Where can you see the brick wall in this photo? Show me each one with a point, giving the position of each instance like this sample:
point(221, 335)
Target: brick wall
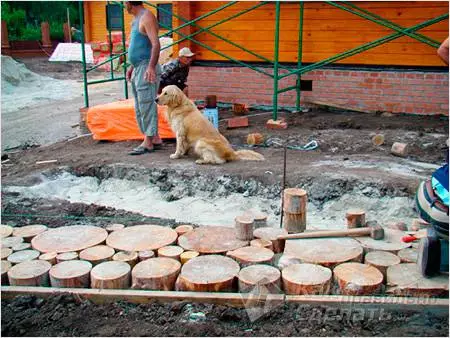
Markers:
point(385, 90)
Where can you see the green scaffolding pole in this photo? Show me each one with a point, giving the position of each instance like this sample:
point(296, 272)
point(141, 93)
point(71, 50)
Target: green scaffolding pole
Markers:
point(275, 66)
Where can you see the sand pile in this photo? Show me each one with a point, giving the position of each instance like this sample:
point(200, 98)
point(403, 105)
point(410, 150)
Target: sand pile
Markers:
point(22, 88)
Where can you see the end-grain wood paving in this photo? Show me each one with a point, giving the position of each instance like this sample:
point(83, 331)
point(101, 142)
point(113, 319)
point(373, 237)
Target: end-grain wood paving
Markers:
point(30, 273)
point(260, 275)
point(358, 279)
point(29, 231)
point(71, 274)
point(97, 254)
point(306, 279)
point(111, 275)
point(159, 273)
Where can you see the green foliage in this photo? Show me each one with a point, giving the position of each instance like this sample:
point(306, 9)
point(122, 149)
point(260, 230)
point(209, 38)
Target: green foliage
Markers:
point(24, 18)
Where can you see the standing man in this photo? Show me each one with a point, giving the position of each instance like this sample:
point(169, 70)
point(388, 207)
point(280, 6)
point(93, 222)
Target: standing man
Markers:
point(144, 73)
point(176, 72)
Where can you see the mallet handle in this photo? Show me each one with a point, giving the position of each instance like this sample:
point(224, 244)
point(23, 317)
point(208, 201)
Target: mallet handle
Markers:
point(329, 233)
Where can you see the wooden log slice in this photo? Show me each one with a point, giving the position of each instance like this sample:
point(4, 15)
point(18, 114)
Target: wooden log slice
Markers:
point(9, 242)
point(66, 256)
point(408, 255)
point(259, 276)
point(243, 227)
point(114, 227)
point(294, 223)
point(406, 280)
point(30, 273)
point(356, 218)
point(5, 252)
point(23, 256)
point(306, 279)
point(209, 273)
point(141, 238)
point(159, 273)
point(49, 257)
point(71, 274)
point(182, 229)
point(130, 257)
point(97, 254)
point(69, 238)
point(295, 201)
point(250, 255)
point(5, 268)
point(111, 275)
point(259, 218)
point(29, 231)
point(187, 255)
point(391, 242)
point(381, 260)
point(262, 243)
point(143, 255)
point(271, 234)
point(358, 279)
point(170, 251)
point(5, 231)
point(210, 240)
point(328, 252)
point(21, 246)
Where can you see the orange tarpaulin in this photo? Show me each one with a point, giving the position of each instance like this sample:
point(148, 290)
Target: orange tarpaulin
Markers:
point(116, 121)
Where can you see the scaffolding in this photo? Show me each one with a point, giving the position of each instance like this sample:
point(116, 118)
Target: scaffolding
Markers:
point(300, 70)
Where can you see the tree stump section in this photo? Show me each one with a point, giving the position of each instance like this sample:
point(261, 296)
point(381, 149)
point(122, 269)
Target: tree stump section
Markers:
point(259, 218)
point(5, 252)
point(29, 231)
point(392, 242)
point(114, 227)
point(209, 273)
point(243, 228)
point(143, 255)
point(30, 273)
point(66, 256)
point(9, 242)
point(5, 231)
point(187, 255)
point(406, 280)
point(171, 251)
point(306, 279)
point(328, 252)
point(358, 279)
point(271, 234)
point(141, 238)
point(97, 254)
point(259, 276)
point(262, 243)
point(381, 260)
point(294, 209)
point(111, 275)
point(182, 229)
point(5, 268)
point(21, 246)
point(49, 257)
point(355, 218)
point(250, 255)
point(69, 238)
point(71, 274)
point(130, 257)
point(210, 240)
point(158, 273)
point(408, 255)
point(23, 256)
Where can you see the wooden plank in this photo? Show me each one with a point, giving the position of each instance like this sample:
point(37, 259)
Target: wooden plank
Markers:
point(97, 296)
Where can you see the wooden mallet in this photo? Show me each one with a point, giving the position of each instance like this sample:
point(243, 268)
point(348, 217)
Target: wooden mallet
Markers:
point(375, 232)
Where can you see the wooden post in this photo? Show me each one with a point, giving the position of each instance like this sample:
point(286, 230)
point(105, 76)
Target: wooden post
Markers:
point(244, 228)
point(67, 32)
point(6, 48)
point(45, 30)
point(294, 210)
point(185, 10)
point(355, 218)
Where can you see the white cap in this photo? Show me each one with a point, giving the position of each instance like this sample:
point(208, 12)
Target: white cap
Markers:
point(185, 52)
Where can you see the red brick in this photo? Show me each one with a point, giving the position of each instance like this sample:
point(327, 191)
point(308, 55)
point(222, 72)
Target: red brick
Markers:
point(238, 122)
point(278, 124)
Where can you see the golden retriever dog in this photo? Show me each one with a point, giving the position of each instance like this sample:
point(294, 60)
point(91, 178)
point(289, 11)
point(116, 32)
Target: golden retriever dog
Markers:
point(194, 130)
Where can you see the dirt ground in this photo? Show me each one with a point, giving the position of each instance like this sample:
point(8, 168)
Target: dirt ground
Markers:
point(345, 147)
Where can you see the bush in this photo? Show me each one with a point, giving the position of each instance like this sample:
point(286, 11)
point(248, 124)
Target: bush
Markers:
point(56, 31)
point(15, 21)
point(30, 33)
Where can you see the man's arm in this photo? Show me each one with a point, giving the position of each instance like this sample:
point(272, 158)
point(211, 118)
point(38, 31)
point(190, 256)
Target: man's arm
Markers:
point(169, 69)
point(151, 29)
point(443, 51)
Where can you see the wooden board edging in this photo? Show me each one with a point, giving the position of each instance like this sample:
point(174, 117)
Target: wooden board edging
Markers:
point(99, 296)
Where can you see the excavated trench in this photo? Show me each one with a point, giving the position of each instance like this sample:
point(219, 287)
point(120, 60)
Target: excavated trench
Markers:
point(175, 197)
